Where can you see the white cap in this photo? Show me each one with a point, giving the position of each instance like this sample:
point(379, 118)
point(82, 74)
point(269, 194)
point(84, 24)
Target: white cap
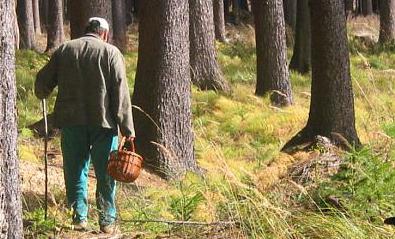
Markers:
point(103, 22)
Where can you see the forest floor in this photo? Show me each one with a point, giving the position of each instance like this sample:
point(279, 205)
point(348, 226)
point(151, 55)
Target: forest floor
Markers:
point(258, 191)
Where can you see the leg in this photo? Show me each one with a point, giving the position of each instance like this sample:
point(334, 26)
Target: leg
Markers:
point(75, 150)
point(104, 141)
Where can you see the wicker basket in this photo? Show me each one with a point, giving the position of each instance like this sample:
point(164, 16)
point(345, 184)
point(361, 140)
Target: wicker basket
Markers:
point(125, 164)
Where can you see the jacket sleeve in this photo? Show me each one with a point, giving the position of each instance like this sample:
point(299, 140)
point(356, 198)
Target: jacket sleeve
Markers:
point(46, 79)
point(121, 105)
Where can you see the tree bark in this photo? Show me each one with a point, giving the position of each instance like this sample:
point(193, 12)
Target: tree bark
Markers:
point(119, 24)
point(205, 71)
point(163, 88)
point(219, 20)
point(44, 13)
point(55, 32)
point(15, 24)
point(272, 69)
point(236, 11)
point(387, 21)
point(301, 58)
point(290, 13)
point(10, 193)
point(81, 11)
point(332, 103)
point(26, 24)
point(36, 16)
point(349, 8)
point(367, 7)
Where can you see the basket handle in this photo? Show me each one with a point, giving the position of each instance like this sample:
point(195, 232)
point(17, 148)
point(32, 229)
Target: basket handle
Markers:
point(123, 141)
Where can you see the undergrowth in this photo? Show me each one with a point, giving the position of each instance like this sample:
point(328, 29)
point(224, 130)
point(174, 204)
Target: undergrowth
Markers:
point(237, 136)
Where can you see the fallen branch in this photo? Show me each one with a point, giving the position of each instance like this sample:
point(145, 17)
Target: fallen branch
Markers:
point(189, 223)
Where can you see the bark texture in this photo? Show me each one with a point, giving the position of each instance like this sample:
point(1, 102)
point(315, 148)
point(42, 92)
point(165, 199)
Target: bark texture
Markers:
point(272, 69)
point(81, 11)
point(301, 58)
point(119, 24)
point(55, 32)
point(219, 20)
point(205, 71)
point(10, 193)
point(332, 103)
point(163, 88)
point(26, 24)
point(387, 21)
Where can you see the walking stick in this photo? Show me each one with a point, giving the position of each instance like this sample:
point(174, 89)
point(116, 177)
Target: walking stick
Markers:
point(44, 106)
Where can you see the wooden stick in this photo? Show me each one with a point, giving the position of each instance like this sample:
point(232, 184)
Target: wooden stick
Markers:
point(190, 223)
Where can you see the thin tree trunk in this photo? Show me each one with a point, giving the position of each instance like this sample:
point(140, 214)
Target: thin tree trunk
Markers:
point(367, 7)
point(236, 11)
point(44, 13)
point(219, 20)
point(26, 24)
point(10, 193)
point(15, 24)
point(272, 69)
point(205, 71)
point(332, 104)
point(36, 15)
point(290, 13)
point(301, 58)
point(119, 24)
point(163, 88)
point(55, 34)
point(387, 21)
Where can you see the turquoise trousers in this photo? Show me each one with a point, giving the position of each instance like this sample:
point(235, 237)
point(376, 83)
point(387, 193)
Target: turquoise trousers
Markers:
point(80, 145)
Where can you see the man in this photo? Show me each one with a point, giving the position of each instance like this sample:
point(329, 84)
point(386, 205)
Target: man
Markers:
point(93, 101)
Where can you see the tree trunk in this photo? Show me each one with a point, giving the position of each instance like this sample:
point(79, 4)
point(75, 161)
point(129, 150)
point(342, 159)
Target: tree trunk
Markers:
point(205, 71)
point(367, 7)
point(36, 17)
point(163, 88)
point(349, 8)
point(290, 13)
point(387, 21)
point(119, 24)
point(332, 103)
point(272, 69)
point(301, 58)
point(227, 10)
point(219, 20)
point(10, 192)
point(81, 11)
point(236, 11)
point(15, 25)
point(44, 13)
point(55, 33)
point(26, 24)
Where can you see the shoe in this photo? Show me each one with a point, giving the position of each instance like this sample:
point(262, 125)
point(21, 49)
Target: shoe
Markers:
point(80, 226)
point(109, 229)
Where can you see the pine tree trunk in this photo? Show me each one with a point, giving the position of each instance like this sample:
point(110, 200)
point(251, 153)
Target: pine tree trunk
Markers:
point(349, 8)
point(81, 11)
point(205, 71)
point(290, 13)
point(119, 24)
point(219, 20)
point(10, 192)
point(15, 25)
point(44, 13)
point(36, 16)
point(163, 88)
point(236, 11)
point(367, 7)
point(301, 58)
point(55, 35)
point(26, 24)
point(387, 21)
point(272, 69)
point(332, 103)
point(227, 10)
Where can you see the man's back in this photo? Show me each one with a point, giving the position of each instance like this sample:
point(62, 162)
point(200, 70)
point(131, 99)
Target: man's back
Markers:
point(88, 73)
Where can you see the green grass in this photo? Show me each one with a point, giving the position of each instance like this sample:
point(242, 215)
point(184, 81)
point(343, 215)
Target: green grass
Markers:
point(236, 137)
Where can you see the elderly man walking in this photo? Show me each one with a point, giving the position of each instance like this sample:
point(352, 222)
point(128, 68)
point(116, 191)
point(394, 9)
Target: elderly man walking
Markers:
point(92, 103)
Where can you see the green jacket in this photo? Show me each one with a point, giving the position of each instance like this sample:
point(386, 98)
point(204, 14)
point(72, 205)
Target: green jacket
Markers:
point(92, 85)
